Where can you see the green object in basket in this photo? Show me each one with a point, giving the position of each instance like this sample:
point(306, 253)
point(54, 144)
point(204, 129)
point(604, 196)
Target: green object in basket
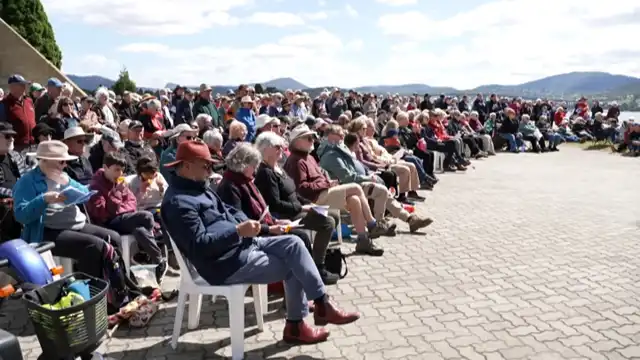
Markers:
point(69, 300)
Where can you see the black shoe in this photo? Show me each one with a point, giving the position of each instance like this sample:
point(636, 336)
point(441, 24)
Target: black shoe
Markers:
point(328, 278)
point(403, 199)
point(413, 195)
point(161, 270)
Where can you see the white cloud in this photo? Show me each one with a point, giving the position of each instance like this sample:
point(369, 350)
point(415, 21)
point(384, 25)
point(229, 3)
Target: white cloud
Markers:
point(277, 19)
point(398, 2)
point(148, 17)
point(144, 48)
point(322, 2)
point(350, 10)
point(92, 64)
point(355, 45)
point(320, 15)
point(456, 51)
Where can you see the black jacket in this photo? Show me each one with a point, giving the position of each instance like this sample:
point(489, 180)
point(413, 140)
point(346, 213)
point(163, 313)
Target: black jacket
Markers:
point(80, 169)
point(279, 191)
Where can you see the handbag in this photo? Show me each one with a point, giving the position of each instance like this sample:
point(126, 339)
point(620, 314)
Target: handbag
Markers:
point(335, 262)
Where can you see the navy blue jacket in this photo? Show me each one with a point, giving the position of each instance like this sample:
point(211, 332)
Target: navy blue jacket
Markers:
point(204, 229)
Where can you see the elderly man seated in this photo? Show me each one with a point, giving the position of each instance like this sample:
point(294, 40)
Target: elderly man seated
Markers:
point(341, 161)
point(313, 184)
point(223, 246)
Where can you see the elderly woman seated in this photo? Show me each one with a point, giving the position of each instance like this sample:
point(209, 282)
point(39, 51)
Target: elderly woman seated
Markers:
point(341, 161)
point(531, 133)
point(279, 191)
point(41, 206)
point(437, 139)
point(237, 134)
point(547, 131)
point(213, 139)
point(408, 179)
point(473, 126)
point(225, 248)
point(409, 136)
point(313, 184)
point(205, 123)
point(509, 131)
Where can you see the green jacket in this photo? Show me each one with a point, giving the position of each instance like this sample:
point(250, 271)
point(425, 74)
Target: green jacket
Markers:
point(339, 163)
point(527, 129)
point(203, 106)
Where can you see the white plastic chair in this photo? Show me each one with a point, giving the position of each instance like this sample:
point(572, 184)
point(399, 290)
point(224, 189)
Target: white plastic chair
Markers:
point(127, 242)
point(195, 286)
point(438, 161)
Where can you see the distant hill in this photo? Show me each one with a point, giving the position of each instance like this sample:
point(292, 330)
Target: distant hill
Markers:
point(90, 82)
point(563, 85)
point(575, 83)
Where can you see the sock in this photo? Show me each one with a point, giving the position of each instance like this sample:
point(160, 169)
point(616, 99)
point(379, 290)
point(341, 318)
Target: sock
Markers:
point(371, 224)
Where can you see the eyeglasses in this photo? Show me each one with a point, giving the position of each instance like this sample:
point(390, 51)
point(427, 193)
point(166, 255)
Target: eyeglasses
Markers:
point(81, 142)
point(8, 137)
point(189, 138)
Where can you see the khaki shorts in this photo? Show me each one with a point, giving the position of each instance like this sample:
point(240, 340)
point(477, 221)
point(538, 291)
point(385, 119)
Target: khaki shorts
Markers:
point(336, 197)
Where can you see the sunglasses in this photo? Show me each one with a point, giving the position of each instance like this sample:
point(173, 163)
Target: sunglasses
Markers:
point(81, 142)
point(8, 137)
point(189, 138)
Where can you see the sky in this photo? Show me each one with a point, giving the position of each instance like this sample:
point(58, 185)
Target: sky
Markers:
point(462, 43)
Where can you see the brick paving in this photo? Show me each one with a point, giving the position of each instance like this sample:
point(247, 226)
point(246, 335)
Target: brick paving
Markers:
point(530, 257)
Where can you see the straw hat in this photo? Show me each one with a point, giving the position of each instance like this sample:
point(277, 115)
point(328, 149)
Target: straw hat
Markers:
point(54, 150)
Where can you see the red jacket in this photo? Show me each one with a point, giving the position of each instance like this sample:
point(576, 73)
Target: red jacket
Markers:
point(21, 115)
point(110, 201)
point(558, 117)
point(307, 175)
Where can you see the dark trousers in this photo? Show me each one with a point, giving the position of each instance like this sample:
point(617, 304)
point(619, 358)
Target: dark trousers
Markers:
point(140, 224)
point(448, 148)
point(85, 245)
point(427, 158)
point(10, 228)
point(323, 226)
point(470, 141)
point(537, 145)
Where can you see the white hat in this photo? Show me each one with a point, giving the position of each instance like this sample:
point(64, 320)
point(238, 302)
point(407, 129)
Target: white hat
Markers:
point(54, 150)
point(264, 120)
point(178, 130)
point(300, 131)
point(246, 99)
point(77, 131)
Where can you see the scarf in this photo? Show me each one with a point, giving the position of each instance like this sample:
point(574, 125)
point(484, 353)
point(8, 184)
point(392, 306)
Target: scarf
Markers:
point(248, 190)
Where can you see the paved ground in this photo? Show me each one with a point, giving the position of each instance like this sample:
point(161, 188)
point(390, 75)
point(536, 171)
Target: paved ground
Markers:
point(530, 257)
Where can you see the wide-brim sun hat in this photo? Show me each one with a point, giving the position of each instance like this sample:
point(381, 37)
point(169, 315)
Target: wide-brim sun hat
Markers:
point(77, 131)
point(53, 150)
point(301, 131)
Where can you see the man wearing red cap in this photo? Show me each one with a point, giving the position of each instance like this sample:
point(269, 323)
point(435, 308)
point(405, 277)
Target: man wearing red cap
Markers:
point(223, 246)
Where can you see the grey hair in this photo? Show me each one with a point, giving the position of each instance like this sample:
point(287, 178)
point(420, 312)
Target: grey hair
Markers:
point(203, 119)
point(102, 92)
point(212, 138)
point(268, 139)
point(154, 104)
point(475, 113)
point(525, 117)
point(543, 118)
point(242, 156)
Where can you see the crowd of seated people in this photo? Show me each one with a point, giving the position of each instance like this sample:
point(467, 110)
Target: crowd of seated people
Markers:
point(227, 176)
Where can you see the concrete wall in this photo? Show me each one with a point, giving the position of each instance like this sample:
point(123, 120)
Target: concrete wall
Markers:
point(17, 56)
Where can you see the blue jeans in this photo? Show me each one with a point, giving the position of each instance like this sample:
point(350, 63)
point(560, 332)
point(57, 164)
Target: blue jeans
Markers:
point(422, 175)
point(554, 140)
point(276, 258)
point(514, 142)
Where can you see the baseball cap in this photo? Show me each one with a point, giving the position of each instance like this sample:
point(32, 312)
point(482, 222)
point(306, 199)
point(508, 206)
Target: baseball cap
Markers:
point(112, 138)
point(205, 87)
point(55, 82)
point(6, 129)
point(190, 150)
point(16, 79)
point(35, 87)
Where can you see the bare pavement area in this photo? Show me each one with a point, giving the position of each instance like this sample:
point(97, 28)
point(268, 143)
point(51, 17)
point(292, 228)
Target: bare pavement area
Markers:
point(530, 257)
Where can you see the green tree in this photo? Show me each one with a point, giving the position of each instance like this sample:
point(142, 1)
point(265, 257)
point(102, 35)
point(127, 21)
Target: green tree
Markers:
point(259, 89)
point(29, 19)
point(124, 83)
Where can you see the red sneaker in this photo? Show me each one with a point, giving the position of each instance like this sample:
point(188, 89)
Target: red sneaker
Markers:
point(302, 333)
point(328, 313)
